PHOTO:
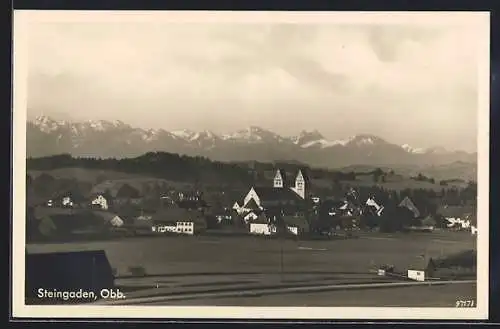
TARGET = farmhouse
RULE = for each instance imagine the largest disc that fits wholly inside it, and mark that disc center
(422, 269)
(188, 222)
(408, 204)
(101, 200)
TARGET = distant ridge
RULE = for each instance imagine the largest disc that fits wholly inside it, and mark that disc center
(46, 136)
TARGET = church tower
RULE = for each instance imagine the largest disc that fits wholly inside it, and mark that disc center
(279, 179)
(300, 185)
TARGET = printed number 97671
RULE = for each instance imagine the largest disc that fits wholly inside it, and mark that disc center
(465, 303)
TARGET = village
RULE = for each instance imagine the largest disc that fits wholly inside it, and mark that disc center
(288, 206)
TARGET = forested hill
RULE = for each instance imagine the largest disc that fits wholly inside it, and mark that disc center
(156, 164)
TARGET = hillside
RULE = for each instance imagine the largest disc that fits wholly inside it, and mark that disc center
(182, 171)
(46, 136)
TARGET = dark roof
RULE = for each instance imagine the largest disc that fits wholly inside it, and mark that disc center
(173, 215)
(261, 219)
(407, 203)
(278, 195)
(252, 204)
(106, 194)
(298, 221)
(455, 211)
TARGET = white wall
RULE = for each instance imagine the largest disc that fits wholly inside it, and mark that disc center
(293, 229)
(164, 228)
(101, 201)
(185, 228)
(259, 228)
(416, 275)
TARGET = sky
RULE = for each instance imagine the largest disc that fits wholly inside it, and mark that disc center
(407, 83)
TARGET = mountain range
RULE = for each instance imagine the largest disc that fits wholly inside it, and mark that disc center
(47, 136)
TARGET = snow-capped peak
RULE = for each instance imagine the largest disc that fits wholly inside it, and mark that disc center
(184, 133)
(252, 134)
(411, 149)
(306, 137)
(46, 124)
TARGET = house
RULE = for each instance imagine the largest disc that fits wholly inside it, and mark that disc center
(191, 201)
(262, 226)
(421, 269)
(379, 209)
(186, 221)
(112, 219)
(67, 199)
(459, 217)
(101, 201)
(296, 225)
(407, 203)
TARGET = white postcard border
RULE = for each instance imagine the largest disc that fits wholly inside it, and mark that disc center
(20, 310)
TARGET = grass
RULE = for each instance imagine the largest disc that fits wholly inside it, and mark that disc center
(195, 255)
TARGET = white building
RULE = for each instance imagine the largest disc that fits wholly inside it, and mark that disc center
(100, 201)
(293, 230)
(116, 221)
(168, 228)
(185, 228)
(417, 275)
(262, 229)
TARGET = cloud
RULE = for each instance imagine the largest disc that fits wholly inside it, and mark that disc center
(220, 74)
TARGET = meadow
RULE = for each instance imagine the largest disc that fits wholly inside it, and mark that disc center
(246, 254)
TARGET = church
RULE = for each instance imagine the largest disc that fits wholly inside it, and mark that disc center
(288, 197)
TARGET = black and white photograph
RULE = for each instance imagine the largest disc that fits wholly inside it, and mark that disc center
(280, 165)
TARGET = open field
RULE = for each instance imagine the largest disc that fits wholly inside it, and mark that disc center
(176, 255)
(208, 265)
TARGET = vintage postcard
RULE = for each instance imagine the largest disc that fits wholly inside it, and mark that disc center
(251, 165)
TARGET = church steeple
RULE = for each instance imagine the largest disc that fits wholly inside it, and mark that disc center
(300, 185)
(279, 179)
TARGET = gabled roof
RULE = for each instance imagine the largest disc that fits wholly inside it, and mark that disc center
(407, 203)
(251, 204)
(281, 195)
